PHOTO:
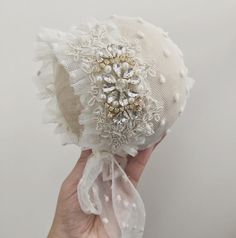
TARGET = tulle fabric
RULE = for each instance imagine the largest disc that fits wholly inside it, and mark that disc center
(105, 190)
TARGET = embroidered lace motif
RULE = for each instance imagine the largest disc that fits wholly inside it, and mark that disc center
(119, 93)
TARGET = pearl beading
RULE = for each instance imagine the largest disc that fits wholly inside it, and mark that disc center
(120, 92)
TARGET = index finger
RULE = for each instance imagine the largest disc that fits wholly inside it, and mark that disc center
(136, 165)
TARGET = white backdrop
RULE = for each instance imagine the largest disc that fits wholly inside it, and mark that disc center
(193, 171)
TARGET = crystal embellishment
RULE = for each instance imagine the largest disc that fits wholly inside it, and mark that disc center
(120, 83)
(120, 99)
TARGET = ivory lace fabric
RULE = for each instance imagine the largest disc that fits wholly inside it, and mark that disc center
(106, 190)
(113, 86)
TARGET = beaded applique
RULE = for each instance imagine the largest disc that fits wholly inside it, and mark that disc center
(119, 89)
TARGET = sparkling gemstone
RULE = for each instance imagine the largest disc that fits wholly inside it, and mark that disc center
(109, 78)
(132, 94)
(124, 119)
(112, 50)
(117, 69)
(110, 99)
(121, 84)
(126, 115)
(128, 73)
(108, 89)
(120, 119)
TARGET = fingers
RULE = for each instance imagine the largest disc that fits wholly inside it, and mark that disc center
(134, 168)
(68, 204)
(76, 173)
(136, 165)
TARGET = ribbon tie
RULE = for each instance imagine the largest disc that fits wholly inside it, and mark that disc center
(106, 191)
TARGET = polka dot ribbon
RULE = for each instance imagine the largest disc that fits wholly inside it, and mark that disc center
(106, 191)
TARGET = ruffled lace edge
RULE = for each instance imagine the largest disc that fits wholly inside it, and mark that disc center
(47, 40)
(45, 82)
(50, 51)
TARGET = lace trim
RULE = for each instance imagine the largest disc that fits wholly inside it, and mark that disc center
(110, 77)
(45, 82)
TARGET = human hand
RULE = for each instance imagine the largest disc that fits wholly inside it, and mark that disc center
(70, 221)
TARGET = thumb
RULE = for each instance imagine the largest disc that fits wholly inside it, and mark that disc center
(77, 172)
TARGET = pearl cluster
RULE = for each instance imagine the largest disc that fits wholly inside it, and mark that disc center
(119, 76)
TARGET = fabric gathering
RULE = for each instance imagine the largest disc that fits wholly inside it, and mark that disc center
(114, 86)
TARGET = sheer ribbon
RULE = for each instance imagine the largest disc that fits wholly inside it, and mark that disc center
(106, 191)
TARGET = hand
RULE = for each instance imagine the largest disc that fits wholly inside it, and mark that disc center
(69, 220)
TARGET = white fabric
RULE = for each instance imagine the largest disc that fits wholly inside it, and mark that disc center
(73, 79)
(105, 190)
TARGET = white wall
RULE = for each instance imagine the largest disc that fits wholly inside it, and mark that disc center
(193, 172)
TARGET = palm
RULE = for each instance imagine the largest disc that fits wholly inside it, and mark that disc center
(70, 221)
